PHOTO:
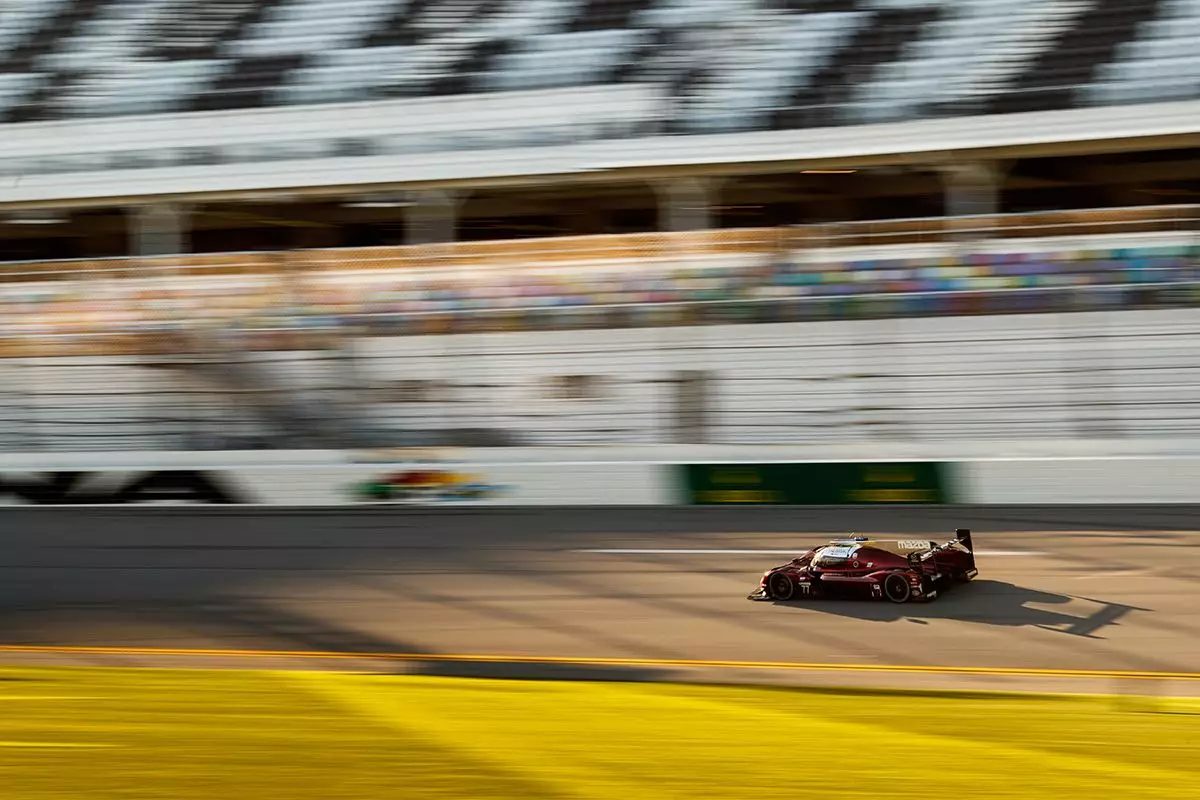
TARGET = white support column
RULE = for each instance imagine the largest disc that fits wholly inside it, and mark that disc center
(685, 216)
(431, 228)
(432, 218)
(685, 204)
(971, 189)
(158, 229)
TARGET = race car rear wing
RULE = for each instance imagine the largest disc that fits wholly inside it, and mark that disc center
(963, 537)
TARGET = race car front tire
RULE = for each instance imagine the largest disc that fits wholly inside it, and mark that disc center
(780, 586)
(896, 588)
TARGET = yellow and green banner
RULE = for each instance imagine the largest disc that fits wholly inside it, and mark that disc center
(817, 483)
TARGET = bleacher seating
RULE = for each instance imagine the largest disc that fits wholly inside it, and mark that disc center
(731, 65)
(98, 353)
(606, 281)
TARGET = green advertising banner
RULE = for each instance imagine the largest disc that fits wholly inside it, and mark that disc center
(807, 484)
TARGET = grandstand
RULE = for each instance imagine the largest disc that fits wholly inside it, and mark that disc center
(297, 223)
(726, 64)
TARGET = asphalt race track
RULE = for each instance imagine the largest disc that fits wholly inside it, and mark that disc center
(517, 592)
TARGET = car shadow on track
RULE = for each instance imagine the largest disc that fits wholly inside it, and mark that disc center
(983, 601)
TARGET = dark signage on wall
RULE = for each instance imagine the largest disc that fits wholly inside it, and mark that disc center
(115, 488)
(805, 484)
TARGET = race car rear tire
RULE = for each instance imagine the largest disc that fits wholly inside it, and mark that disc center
(896, 588)
(780, 586)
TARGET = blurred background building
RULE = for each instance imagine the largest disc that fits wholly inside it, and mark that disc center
(354, 223)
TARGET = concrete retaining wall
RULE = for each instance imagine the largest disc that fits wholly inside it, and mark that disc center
(1065, 481)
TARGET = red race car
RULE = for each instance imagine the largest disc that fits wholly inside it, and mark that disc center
(896, 570)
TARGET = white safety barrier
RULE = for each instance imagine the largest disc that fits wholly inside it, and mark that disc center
(511, 484)
(347, 485)
(1080, 481)
(1040, 449)
(996, 481)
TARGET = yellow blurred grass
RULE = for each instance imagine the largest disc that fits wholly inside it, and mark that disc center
(183, 734)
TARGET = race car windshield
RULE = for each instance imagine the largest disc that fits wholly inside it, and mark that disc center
(834, 556)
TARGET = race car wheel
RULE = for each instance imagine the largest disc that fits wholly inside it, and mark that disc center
(780, 586)
(896, 588)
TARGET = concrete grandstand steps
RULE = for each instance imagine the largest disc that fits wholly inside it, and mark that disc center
(883, 40)
(1052, 79)
(18, 409)
(249, 83)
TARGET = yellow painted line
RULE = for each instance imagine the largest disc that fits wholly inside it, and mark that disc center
(54, 744)
(1035, 672)
(40, 697)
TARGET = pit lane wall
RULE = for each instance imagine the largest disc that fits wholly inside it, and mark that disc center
(1091, 481)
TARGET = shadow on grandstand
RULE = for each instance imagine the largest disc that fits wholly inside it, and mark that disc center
(985, 602)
